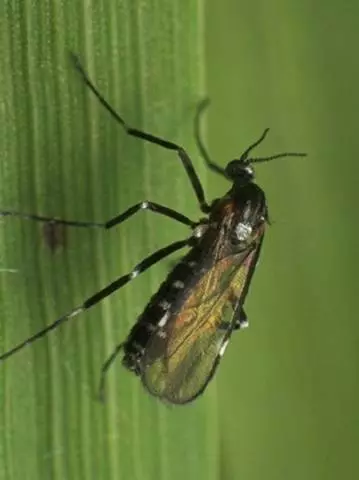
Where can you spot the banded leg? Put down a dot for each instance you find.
(184, 157)
(153, 207)
(239, 320)
(108, 290)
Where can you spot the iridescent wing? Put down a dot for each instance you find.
(182, 356)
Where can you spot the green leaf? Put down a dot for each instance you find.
(62, 155)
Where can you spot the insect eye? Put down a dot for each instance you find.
(243, 232)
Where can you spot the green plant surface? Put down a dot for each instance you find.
(62, 155)
(288, 391)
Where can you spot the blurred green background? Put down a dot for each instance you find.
(285, 400)
(289, 386)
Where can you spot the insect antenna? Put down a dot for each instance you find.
(244, 156)
(278, 155)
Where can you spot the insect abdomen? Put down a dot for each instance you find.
(163, 304)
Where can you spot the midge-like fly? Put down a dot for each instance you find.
(177, 342)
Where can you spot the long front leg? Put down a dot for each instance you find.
(148, 137)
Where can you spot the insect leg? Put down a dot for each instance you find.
(186, 161)
(154, 207)
(108, 290)
(104, 369)
(200, 144)
(50, 220)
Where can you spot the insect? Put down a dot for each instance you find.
(176, 344)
